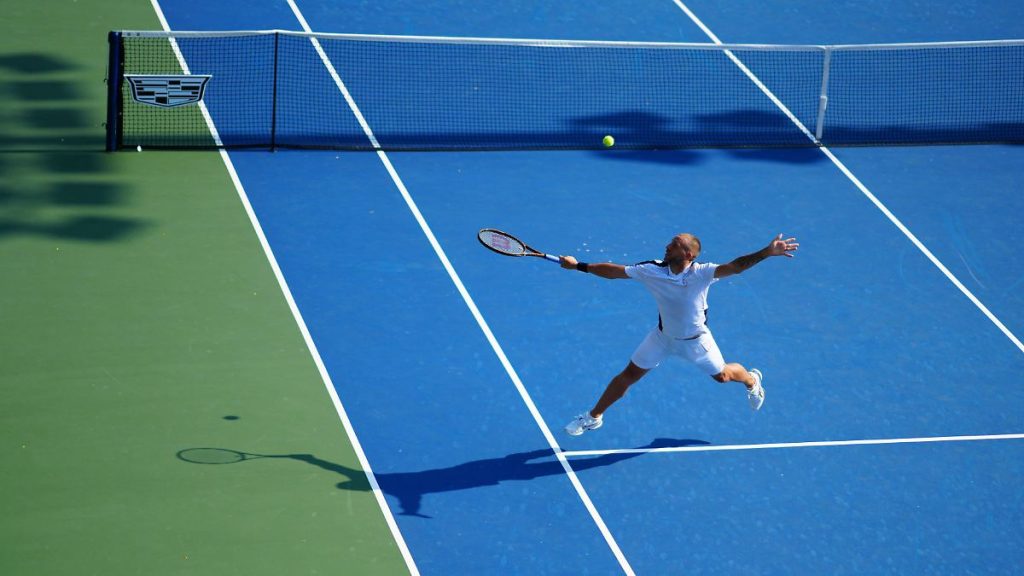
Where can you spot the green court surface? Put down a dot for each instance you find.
(141, 318)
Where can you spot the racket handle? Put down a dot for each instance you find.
(552, 258)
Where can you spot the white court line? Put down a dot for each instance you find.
(856, 182)
(728, 447)
(346, 423)
(498, 351)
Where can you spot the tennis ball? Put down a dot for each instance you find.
(608, 141)
(138, 148)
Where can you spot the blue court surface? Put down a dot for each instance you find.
(890, 338)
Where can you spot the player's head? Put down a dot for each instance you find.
(682, 247)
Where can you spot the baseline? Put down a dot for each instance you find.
(776, 445)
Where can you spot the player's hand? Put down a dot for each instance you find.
(780, 247)
(567, 262)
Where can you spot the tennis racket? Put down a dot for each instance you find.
(509, 245)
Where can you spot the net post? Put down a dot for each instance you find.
(273, 103)
(823, 96)
(115, 76)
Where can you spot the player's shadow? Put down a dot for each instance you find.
(409, 488)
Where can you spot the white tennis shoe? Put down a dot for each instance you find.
(756, 394)
(582, 423)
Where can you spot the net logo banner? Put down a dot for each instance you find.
(166, 91)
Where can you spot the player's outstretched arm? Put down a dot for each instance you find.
(777, 247)
(603, 269)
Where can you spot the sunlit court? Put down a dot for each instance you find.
(521, 288)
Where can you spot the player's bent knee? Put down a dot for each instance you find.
(721, 377)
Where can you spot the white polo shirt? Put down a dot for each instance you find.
(682, 298)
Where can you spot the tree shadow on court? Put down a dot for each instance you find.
(409, 488)
(60, 183)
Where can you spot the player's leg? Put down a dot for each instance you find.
(705, 354)
(733, 372)
(648, 355)
(617, 388)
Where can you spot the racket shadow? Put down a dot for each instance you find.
(410, 488)
(219, 456)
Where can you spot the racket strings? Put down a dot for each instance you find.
(503, 243)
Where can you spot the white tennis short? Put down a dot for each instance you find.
(702, 351)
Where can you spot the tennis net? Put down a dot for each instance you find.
(269, 89)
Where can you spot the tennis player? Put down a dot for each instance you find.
(680, 285)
